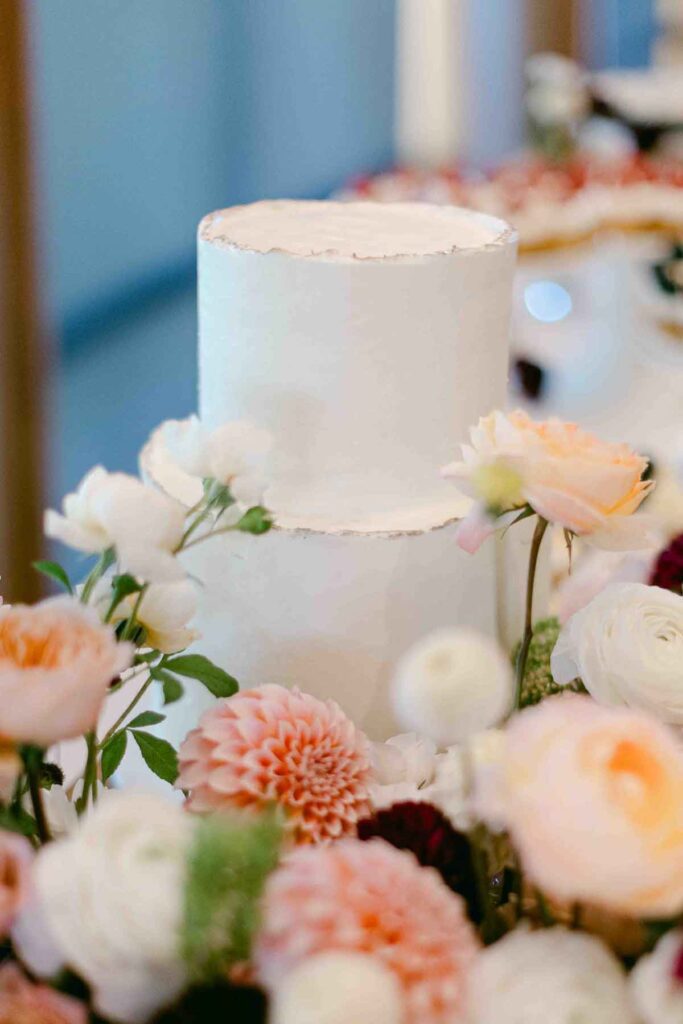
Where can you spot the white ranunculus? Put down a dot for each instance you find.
(108, 900)
(451, 684)
(627, 647)
(656, 982)
(233, 454)
(339, 988)
(118, 510)
(552, 976)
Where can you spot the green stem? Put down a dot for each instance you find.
(207, 536)
(130, 625)
(539, 533)
(121, 719)
(33, 762)
(105, 560)
(89, 774)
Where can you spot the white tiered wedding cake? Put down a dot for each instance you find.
(366, 338)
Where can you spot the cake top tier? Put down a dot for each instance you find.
(352, 231)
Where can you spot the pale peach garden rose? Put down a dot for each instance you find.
(56, 663)
(23, 1002)
(593, 800)
(566, 475)
(16, 858)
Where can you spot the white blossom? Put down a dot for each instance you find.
(656, 985)
(117, 510)
(627, 647)
(552, 976)
(233, 454)
(451, 684)
(108, 903)
(339, 988)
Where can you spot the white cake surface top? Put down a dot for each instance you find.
(357, 230)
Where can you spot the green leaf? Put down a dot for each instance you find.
(172, 687)
(158, 754)
(146, 718)
(196, 666)
(112, 754)
(256, 520)
(18, 820)
(54, 571)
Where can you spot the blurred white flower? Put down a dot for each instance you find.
(60, 811)
(627, 647)
(408, 768)
(233, 454)
(339, 988)
(552, 976)
(108, 902)
(451, 684)
(118, 510)
(164, 610)
(657, 982)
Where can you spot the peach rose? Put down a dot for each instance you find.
(22, 1002)
(16, 858)
(56, 663)
(593, 800)
(566, 475)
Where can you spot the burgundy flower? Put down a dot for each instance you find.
(428, 834)
(677, 968)
(668, 570)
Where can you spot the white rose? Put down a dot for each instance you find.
(657, 982)
(118, 510)
(233, 454)
(627, 647)
(451, 684)
(552, 976)
(109, 899)
(339, 988)
(402, 770)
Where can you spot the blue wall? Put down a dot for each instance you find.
(149, 113)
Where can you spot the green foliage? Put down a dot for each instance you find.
(229, 861)
(54, 571)
(538, 681)
(158, 755)
(196, 666)
(146, 718)
(112, 754)
(16, 819)
(50, 775)
(256, 520)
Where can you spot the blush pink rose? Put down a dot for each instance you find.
(16, 858)
(593, 800)
(566, 475)
(22, 1002)
(56, 663)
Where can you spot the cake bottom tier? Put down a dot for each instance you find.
(332, 613)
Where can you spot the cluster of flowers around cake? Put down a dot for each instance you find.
(516, 857)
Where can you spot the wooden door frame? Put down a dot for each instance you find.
(21, 347)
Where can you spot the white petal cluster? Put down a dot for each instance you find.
(656, 986)
(233, 454)
(118, 510)
(452, 684)
(410, 768)
(338, 988)
(552, 976)
(627, 647)
(165, 611)
(109, 902)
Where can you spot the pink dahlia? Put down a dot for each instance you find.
(368, 897)
(272, 745)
